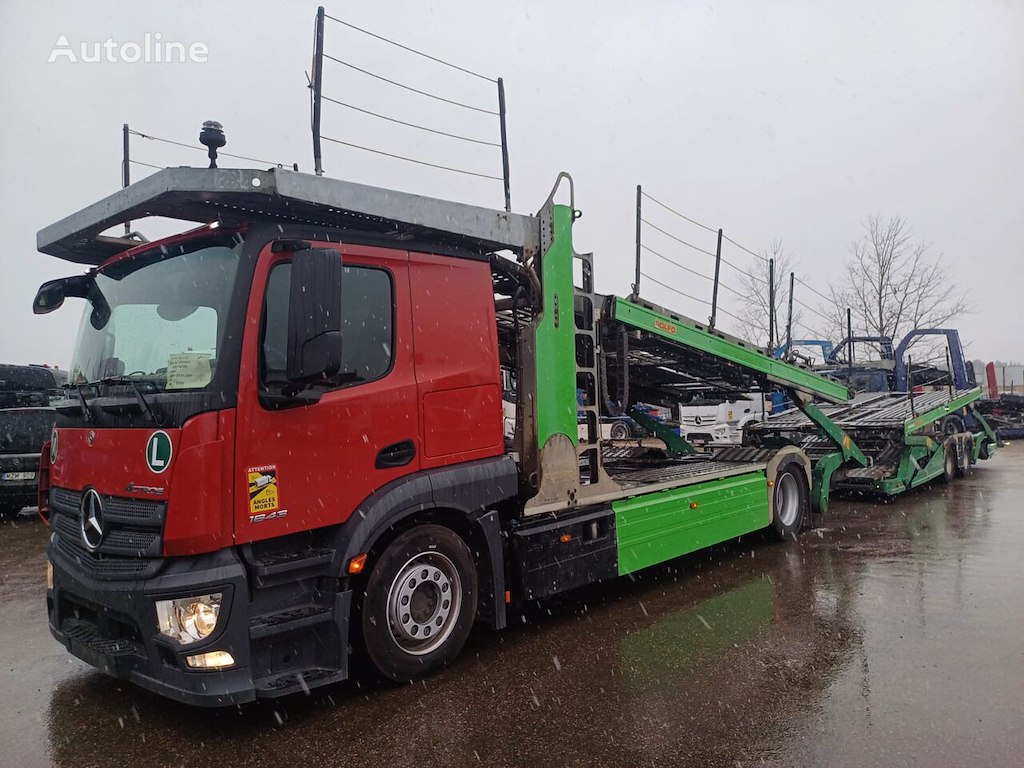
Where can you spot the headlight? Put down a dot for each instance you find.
(188, 619)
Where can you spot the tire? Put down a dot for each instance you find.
(620, 431)
(419, 604)
(790, 502)
(985, 452)
(949, 464)
(964, 458)
(951, 425)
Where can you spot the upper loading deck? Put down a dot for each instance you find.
(234, 196)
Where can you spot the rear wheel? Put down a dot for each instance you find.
(964, 458)
(951, 425)
(419, 604)
(789, 502)
(949, 469)
(985, 451)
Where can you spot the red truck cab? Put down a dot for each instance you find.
(188, 465)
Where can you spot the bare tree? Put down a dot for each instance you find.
(894, 284)
(754, 316)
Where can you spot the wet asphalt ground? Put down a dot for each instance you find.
(891, 635)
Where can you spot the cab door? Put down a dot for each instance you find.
(305, 465)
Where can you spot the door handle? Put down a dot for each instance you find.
(397, 455)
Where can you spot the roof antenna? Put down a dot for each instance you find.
(212, 136)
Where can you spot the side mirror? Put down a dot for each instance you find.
(51, 294)
(314, 315)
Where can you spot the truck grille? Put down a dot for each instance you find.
(132, 537)
(705, 421)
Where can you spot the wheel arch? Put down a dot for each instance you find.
(464, 498)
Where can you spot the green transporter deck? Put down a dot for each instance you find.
(907, 441)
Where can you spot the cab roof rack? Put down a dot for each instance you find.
(236, 195)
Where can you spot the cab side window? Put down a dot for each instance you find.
(367, 327)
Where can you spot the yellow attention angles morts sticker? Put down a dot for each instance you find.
(263, 492)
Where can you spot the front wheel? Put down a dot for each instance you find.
(620, 431)
(419, 603)
(789, 502)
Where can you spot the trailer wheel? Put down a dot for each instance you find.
(419, 604)
(985, 452)
(789, 502)
(949, 465)
(964, 457)
(951, 425)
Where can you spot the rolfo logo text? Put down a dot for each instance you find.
(151, 49)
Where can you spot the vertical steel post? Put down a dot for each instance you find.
(714, 289)
(504, 143)
(949, 371)
(849, 337)
(910, 385)
(318, 61)
(126, 174)
(771, 307)
(636, 281)
(789, 320)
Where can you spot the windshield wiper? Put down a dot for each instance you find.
(139, 397)
(83, 404)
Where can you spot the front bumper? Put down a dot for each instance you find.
(112, 625)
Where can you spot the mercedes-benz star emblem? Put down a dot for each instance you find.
(92, 520)
(697, 420)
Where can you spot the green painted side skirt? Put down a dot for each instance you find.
(660, 526)
(689, 335)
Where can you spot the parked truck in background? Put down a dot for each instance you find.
(721, 420)
(26, 419)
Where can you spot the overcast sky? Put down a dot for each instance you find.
(789, 121)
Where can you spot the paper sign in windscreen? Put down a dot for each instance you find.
(188, 370)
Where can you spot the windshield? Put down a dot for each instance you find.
(159, 316)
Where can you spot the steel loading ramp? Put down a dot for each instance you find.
(676, 357)
(878, 411)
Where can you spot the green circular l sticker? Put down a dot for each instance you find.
(158, 452)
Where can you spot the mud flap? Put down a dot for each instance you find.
(822, 481)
